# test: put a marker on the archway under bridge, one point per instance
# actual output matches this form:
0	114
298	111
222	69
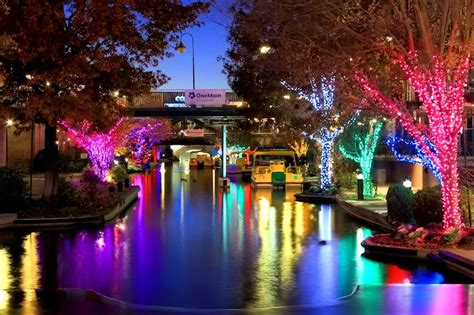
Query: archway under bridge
213	117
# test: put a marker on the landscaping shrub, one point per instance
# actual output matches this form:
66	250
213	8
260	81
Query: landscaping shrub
427	206
66	193
400	204
92	193
119	173
12	188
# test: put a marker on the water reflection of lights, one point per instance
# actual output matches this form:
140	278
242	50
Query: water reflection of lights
120	225
325	222
267	260
3	300
30	274
5	279
100	242
162	187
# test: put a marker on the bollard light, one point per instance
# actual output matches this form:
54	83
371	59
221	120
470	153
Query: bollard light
407	182
360	185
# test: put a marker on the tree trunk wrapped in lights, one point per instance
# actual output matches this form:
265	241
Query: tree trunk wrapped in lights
441	90
359	145
321	96
99	146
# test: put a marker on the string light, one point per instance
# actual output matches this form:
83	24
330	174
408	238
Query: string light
322	98
394	143
362	151
141	143
322	95
99	146
441	90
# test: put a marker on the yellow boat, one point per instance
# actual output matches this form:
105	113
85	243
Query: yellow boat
200	160
276	169
238	163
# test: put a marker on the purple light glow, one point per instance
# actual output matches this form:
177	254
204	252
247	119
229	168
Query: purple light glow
99	146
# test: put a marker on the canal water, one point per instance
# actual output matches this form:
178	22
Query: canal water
186	243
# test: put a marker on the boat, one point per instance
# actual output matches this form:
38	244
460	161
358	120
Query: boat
239	162
312	197
200	160
275	168
317	195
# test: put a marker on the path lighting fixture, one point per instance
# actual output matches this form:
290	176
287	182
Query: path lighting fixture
407	182
360	185
10	122
286	97
265	49
48	83
115	93
181	49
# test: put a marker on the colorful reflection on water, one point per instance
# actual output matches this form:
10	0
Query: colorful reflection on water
186	243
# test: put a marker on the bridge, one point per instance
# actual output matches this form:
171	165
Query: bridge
155	105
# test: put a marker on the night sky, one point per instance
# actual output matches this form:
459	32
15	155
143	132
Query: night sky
209	43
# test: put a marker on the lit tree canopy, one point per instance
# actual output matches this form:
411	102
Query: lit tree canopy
359	143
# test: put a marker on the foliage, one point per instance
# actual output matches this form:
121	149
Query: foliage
70	57
66	193
399	204
434	237
427	206
143	135
359	143
12	188
119	173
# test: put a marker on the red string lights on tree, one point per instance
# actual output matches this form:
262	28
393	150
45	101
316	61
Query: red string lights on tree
441	90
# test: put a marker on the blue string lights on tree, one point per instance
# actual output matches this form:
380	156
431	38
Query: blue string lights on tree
322	98
419	157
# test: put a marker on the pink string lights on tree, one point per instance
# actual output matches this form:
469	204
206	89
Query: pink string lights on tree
441	91
99	146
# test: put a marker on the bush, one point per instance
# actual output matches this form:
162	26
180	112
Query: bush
12	188
92	193
400	204
427	206
66	193
119	173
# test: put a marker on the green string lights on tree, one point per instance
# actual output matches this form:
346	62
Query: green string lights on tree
359	145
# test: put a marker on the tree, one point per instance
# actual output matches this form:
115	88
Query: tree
359	143
322	97
145	134
440	39
381	44
80	60
100	146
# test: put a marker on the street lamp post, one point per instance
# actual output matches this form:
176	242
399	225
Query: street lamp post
181	49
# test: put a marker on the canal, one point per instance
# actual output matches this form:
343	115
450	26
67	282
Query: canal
185	243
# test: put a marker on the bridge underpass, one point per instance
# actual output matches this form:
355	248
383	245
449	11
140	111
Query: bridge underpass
213	117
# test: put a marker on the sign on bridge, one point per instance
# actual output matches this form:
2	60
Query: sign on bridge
205	98
194	133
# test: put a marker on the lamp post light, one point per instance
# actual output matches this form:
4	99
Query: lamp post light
181	49
8	123
360	185
407	182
